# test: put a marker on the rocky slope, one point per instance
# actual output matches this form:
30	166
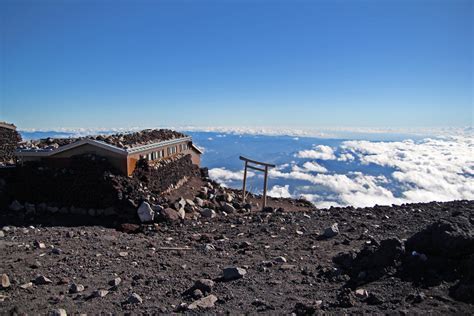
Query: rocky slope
414	258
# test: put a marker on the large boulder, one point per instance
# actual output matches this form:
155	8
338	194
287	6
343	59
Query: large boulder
452	238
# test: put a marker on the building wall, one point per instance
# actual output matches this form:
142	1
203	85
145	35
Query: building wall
168	152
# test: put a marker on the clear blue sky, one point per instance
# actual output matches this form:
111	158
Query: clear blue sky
213	63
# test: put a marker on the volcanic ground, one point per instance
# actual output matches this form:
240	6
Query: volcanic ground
377	260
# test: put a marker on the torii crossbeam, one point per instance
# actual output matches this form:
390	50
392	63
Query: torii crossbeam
249	164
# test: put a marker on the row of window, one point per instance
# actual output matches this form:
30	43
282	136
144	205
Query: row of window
169	151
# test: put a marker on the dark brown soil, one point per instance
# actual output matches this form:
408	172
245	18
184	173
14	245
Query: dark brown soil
148	265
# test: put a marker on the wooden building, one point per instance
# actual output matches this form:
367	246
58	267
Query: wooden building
124	159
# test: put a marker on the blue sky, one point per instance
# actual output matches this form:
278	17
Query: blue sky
236	63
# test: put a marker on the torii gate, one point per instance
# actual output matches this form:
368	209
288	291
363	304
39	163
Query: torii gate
265	170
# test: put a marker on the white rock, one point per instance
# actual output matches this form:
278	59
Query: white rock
58	312
361	293
5	281
182	213
205	302
145	213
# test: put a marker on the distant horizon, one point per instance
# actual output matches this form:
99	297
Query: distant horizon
89	64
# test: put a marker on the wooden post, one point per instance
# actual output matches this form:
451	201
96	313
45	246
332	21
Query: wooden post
245	180
265	188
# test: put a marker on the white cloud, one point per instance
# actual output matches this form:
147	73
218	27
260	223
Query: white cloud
322	152
224	176
280	191
439	169
345	157
314	166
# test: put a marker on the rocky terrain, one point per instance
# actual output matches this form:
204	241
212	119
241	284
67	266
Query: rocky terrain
9	139
122	140
201	249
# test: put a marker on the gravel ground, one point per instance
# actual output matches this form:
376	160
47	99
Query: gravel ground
289	266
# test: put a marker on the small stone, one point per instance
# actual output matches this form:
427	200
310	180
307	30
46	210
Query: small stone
123	254
39	245
361	293
205	285
280	259
76	288
134	298
5	281
145	213
182	213
197	293
199	201
331	231
228	208
205	302
56	251
58	312
170	215
26	285
115	282
2	234
40	280
233	273
208	213
228	197
100	293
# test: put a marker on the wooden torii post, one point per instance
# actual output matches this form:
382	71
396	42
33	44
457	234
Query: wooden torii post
265	170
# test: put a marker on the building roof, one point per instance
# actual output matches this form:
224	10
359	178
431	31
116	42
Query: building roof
145	140
7	125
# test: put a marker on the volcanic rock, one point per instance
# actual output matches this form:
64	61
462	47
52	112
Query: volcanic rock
41	280
233	273
76	288
208	213
205	302
449	239
205	285
331	231
134	298
170	215
145	213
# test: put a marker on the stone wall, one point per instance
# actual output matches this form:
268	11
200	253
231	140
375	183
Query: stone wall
9	139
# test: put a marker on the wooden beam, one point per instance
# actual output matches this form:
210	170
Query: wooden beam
257	162
256	168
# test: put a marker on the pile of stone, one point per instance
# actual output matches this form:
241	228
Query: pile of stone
212	200
9	139
148	136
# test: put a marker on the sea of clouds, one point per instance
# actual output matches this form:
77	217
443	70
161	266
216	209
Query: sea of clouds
431	169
